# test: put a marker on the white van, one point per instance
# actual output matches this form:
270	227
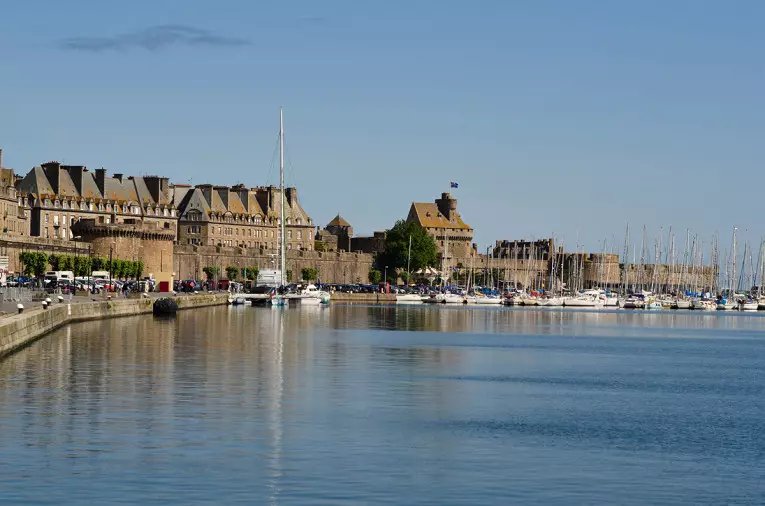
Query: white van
100	274
60	275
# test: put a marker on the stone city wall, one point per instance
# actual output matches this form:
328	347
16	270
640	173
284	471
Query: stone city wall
333	267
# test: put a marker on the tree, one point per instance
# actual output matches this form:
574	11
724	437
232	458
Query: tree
396	249
309	273
289	275
211	272
139	266
375	276
250	273
404	276
99	264
35	262
65	263
54	261
82	266
231	272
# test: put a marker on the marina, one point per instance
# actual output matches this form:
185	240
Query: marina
378	404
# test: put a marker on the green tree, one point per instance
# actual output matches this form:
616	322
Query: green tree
396	249
35	262
289	275
99	264
211	272
231	272
139	267
404	276
82	266
250	273
309	273
54	261
375	276
65	263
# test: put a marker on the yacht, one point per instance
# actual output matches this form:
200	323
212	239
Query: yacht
590	298
408	298
310	295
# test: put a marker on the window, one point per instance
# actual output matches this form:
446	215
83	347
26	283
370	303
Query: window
289	246
55	220
299	234
289	234
108	220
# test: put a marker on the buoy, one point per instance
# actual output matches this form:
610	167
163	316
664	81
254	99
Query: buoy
60	299
20	307
44	305
48	301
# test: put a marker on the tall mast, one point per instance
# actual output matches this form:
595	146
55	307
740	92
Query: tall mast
283	243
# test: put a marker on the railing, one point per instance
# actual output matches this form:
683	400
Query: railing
21	294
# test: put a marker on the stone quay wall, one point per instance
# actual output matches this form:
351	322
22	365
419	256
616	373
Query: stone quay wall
333	267
20	330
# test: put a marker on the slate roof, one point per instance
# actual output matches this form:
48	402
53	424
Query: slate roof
428	216
339	221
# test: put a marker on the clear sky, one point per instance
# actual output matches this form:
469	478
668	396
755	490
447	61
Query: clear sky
565	117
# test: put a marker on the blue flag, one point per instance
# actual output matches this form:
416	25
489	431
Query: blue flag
453	184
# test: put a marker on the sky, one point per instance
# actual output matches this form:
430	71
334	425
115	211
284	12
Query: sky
555	117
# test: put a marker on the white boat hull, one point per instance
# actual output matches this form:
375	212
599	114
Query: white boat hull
582	302
486	301
409	298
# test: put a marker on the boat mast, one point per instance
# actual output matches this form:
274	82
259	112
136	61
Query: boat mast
283	244
408	259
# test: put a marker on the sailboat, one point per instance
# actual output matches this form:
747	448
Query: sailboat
311	294
276	298
408	298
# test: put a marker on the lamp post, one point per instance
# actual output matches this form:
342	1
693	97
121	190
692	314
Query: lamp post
385	276
110	268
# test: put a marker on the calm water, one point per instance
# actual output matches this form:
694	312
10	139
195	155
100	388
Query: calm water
413	405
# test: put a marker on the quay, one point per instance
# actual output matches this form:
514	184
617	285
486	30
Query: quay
19	330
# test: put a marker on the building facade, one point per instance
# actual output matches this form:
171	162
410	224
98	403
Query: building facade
13	217
241	217
440	219
57	196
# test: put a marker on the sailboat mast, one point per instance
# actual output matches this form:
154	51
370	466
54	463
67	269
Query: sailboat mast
283	242
408	259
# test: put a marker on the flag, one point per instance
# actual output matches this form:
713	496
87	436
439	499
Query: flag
453	184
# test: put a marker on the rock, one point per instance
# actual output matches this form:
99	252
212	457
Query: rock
165	306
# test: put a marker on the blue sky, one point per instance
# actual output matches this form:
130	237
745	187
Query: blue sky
554	116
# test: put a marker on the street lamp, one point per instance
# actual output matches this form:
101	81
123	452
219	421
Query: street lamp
385	276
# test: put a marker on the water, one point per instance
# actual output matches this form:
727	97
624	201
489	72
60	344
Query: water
412	405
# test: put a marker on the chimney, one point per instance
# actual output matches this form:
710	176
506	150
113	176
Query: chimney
75	173
118	177
244	196
52	173
101	180
291	196
154	185
206	190
223	194
1	157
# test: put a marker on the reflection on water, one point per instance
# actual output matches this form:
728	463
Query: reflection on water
413	404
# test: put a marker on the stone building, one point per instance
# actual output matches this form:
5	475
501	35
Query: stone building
13	217
336	236
442	221
129	239
57	196
369	244
240	217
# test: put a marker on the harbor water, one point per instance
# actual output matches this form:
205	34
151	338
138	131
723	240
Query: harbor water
388	405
